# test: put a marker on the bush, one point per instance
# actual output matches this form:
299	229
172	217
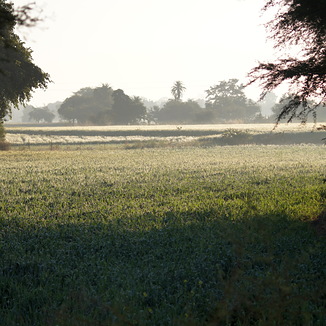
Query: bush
236	137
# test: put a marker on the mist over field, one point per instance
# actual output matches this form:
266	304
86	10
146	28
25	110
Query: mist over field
166	135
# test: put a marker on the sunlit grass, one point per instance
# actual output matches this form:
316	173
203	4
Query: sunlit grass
251	133
219	127
162	236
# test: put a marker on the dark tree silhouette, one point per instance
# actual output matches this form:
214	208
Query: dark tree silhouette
19	76
301	23
89	106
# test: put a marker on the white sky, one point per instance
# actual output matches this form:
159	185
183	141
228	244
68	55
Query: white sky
144	46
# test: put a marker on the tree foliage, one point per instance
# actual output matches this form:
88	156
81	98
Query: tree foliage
126	110
229	102
102	106
19	76
176	111
41	114
88	105
299	23
177	90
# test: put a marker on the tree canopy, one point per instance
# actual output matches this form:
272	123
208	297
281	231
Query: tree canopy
299	23
41	114
88	105
19	76
229	102
127	110
176	111
177	90
102	106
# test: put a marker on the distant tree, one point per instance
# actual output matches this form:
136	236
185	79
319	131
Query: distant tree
177	90
89	106
77	108
41	114
25	113
153	113
301	23
229	102
277	107
175	111
138	108
148	103
19	76
319	113
205	116
102	106
126	110
267	103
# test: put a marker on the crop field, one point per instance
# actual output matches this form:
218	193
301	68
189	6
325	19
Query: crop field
193	235
223	134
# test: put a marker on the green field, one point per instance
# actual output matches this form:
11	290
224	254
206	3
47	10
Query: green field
194	235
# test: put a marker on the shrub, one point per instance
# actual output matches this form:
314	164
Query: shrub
236	137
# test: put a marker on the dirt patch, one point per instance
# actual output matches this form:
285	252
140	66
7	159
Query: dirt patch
319	224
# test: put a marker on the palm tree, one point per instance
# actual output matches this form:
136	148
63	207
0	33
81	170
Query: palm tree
177	90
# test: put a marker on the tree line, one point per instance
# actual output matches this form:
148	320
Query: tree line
225	102
299	22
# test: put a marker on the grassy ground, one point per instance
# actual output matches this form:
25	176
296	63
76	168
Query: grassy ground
162	236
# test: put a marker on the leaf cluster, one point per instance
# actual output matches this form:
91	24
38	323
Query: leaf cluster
177	90
299	23
19	76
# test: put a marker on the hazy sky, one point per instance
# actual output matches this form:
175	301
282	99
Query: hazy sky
144	46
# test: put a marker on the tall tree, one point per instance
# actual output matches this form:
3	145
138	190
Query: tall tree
301	23
229	102
177	90
19	76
